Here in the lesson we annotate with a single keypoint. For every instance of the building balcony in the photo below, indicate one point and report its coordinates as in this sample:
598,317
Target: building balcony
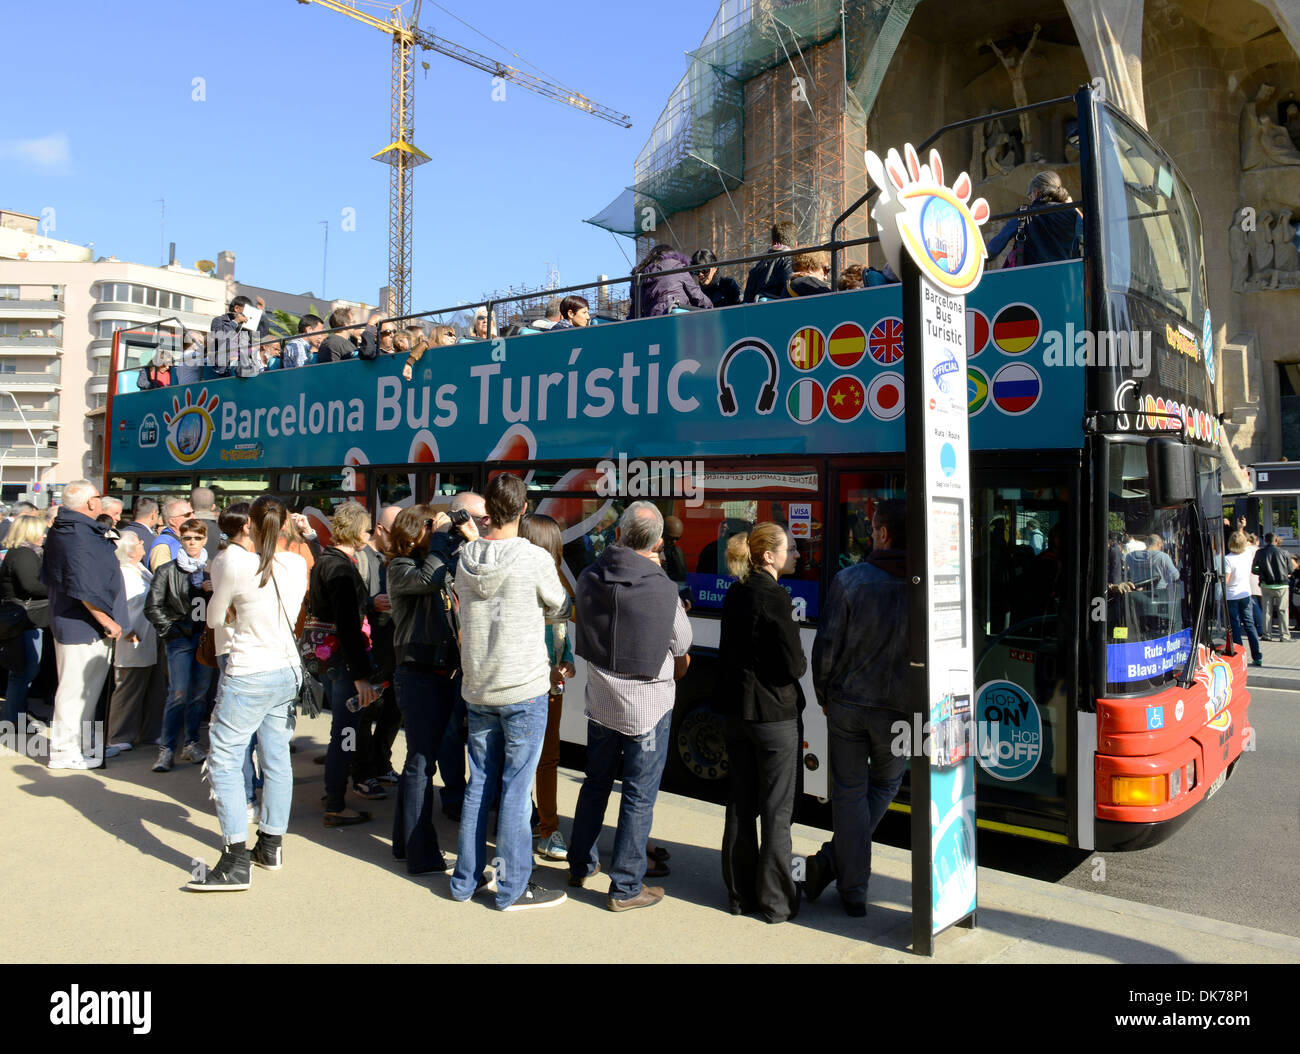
10,343
45,381
46,417
31,309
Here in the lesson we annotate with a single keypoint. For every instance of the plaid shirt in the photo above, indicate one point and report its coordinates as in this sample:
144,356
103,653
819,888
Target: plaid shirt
297,352
634,705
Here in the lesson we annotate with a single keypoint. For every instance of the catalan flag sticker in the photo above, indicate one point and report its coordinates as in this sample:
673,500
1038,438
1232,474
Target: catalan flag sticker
847,345
977,390
1017,388
1016,328
807,347
885,396
805,401
845,398
977,332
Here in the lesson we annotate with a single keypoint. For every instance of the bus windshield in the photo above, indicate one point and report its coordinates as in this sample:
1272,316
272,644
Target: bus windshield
1153,230
1151,604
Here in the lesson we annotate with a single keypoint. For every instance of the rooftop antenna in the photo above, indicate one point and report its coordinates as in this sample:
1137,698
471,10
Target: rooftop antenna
324,256
162,230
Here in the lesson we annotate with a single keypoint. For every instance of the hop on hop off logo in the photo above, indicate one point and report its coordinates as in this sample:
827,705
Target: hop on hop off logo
935,223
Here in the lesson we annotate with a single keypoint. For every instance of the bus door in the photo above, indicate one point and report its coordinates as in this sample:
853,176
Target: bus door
1025,573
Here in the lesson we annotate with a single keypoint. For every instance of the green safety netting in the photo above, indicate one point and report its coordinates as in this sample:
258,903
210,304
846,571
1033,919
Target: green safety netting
696,149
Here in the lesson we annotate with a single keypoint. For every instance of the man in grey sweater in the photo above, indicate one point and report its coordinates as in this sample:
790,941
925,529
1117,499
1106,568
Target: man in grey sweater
507,588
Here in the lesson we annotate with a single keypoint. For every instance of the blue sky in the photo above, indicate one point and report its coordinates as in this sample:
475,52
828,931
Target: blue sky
101,121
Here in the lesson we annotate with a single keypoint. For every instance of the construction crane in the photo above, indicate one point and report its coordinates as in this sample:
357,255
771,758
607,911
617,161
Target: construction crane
401,154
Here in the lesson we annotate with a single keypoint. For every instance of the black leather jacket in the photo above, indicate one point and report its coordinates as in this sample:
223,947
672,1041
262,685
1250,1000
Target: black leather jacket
170,606
422,623
1272,565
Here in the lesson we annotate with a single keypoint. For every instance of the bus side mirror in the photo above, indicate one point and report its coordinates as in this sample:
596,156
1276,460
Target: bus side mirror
1171,468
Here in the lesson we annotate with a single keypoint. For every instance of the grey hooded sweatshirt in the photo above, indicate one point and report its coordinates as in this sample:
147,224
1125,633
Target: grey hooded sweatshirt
507,590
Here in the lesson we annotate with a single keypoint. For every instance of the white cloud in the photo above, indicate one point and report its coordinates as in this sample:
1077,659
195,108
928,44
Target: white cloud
50,152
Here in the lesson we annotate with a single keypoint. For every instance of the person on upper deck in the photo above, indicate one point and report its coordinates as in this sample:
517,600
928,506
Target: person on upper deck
574,311
721,290
1044,238
809,274
660,293
311,334
341,345
768,278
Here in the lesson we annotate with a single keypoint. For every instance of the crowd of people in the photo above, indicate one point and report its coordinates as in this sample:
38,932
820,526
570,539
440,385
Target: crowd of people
245,341
1262,586
456,628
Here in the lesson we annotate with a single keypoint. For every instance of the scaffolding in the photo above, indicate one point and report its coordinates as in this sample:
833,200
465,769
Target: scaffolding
767,124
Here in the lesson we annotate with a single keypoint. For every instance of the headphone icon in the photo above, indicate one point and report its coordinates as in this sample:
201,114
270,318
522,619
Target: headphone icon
767,396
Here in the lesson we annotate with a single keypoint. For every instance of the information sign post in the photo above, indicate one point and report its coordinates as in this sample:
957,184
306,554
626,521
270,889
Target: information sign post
933,241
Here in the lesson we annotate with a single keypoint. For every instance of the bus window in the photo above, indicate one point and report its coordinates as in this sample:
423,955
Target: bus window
1150,564
231,490
394,488
858,494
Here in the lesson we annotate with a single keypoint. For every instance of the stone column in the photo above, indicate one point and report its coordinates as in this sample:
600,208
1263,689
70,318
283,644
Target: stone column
1110,34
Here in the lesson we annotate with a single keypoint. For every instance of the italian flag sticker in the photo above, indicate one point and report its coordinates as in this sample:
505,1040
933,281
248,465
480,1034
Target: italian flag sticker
805,401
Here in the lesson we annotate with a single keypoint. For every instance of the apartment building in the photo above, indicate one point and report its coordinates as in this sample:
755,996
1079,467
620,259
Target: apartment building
59,309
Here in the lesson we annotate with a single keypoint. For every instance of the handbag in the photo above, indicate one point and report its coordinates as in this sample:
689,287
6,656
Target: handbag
207,650
319,646
311,693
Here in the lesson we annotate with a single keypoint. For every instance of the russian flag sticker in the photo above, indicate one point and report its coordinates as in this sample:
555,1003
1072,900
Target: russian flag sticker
805,401
1017,388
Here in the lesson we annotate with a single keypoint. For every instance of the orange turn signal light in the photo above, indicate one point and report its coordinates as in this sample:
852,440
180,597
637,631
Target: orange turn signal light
1139,790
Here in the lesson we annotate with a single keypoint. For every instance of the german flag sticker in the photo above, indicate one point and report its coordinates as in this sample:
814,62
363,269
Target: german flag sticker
1016,329
806,348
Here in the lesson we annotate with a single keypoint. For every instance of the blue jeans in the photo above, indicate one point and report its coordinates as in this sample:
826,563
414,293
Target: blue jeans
865,777
20,681
505,743
339,688
187,691
261,704
426,700
251,779
451,756
643,760
1242,613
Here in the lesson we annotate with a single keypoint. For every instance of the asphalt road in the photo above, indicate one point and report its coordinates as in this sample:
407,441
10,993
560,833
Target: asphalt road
1235,860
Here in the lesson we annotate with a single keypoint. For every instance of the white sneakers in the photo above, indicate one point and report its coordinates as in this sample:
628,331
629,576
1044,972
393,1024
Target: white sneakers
79,764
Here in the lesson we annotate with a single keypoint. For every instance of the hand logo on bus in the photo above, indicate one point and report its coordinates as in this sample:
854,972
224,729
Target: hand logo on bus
937,225
190,426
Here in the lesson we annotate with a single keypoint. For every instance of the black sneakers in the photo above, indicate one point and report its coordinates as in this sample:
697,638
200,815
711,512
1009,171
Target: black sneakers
233,872
535,896
268,853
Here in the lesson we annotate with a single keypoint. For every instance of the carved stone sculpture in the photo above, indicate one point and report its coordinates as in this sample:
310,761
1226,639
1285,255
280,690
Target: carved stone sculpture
1264,143
1286,257
1016,71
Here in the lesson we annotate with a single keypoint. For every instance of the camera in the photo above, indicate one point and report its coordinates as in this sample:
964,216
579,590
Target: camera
459,517
428,526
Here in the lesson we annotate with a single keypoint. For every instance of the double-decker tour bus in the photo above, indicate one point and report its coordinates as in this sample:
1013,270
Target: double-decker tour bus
1110,704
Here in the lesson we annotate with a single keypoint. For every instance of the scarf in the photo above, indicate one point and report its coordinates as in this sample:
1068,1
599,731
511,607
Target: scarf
193,565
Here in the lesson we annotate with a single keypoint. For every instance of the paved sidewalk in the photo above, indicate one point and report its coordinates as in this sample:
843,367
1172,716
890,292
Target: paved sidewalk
1281,667
106,853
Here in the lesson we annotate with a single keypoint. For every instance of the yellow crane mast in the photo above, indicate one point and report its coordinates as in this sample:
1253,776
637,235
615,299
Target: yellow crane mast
401,154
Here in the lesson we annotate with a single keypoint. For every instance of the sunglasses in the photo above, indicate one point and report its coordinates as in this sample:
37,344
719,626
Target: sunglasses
193,538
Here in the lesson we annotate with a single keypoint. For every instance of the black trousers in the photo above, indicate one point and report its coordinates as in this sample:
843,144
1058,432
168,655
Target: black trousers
374,755
764,761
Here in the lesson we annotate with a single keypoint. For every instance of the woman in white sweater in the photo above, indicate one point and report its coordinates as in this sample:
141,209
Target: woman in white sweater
257,695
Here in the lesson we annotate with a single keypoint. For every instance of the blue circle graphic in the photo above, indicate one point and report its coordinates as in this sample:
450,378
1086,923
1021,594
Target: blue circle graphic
948,459
1008,730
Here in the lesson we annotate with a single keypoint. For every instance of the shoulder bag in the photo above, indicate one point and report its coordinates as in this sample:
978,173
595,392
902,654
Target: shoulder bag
311,693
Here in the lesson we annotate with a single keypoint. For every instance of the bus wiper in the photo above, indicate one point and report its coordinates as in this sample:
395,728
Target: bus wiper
1188,675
